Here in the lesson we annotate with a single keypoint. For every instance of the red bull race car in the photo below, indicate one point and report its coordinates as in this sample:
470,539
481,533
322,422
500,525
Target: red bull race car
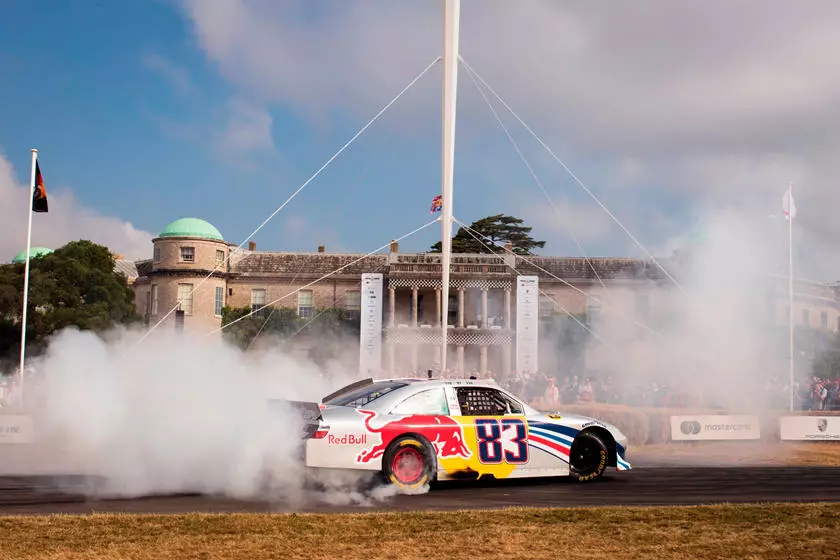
415,431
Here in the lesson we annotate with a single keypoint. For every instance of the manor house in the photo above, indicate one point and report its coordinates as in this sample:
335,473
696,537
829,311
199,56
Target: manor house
482,294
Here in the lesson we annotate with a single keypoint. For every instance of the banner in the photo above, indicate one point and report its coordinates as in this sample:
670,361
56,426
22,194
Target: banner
527,323
714,427
16,428
809,428
370,343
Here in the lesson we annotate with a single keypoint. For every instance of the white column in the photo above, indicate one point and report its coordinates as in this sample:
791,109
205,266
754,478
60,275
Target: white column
414,307
392,358
437,306
507,310
460,360
484,310
461,308
482,364
392,303
506,351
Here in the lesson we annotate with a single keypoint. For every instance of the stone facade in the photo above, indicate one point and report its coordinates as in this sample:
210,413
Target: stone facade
482,326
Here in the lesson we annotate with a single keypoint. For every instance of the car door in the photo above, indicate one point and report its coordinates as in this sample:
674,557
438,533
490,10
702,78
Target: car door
495,426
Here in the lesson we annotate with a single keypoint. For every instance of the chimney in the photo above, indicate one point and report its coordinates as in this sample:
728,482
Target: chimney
508,247
321,248
252,246
395,247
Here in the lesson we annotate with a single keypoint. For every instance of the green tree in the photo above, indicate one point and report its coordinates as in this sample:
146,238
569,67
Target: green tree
493,230
74,286
333,328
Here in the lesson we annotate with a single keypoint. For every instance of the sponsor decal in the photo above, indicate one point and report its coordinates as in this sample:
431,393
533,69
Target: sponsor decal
809,428
714,427
444,433
347,439
16,428
594,423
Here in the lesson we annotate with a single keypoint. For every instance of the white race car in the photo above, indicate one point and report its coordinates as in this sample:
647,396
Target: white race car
418,430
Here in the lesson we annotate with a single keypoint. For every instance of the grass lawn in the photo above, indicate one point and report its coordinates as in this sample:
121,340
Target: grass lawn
810,531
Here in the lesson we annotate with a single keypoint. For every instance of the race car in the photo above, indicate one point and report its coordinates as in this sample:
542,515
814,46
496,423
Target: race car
415,431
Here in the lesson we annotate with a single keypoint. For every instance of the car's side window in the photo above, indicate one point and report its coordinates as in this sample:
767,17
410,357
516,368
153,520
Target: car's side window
432,401
483,401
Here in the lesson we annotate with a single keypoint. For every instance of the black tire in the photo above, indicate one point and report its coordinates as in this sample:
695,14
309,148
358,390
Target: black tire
409,462
588,457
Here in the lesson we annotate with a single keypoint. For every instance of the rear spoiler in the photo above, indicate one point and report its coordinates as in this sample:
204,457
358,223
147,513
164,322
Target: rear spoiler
348,388
310,412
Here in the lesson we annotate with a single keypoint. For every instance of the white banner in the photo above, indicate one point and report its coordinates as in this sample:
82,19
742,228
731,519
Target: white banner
370,337
714,427
805,428
527,323
16,428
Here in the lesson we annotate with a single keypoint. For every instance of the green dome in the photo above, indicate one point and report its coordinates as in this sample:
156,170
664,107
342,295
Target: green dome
34,252
191,227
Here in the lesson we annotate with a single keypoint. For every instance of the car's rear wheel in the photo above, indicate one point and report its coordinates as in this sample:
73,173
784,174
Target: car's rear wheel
588,457
408,462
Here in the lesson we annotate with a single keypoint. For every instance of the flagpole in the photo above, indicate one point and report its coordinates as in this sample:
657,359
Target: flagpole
791,213
26,273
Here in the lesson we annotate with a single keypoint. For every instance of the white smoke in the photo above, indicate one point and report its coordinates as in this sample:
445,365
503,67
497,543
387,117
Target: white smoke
179,413
716,337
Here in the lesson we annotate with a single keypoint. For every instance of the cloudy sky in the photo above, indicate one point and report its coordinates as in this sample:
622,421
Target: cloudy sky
669,112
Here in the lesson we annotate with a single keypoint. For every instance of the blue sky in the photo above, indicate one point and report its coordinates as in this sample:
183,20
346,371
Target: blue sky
147,111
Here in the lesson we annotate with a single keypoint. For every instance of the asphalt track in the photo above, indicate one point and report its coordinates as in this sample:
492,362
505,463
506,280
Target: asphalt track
646,486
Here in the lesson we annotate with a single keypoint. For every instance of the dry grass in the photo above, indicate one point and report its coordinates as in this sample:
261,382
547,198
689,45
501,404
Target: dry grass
741,453
746,531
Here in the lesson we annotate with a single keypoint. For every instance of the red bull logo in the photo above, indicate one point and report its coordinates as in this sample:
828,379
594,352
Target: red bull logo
347,439
445,434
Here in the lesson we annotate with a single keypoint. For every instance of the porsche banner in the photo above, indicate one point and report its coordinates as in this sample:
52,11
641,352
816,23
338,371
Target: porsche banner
810,428
527,323
370,343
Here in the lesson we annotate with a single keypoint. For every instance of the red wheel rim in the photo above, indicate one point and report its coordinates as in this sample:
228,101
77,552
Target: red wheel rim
407,465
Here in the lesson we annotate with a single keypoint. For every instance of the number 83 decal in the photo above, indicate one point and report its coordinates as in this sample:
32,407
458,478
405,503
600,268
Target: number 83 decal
505,440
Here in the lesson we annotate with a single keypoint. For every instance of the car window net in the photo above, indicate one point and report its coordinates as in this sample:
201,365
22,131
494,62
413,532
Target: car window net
365,395
476,402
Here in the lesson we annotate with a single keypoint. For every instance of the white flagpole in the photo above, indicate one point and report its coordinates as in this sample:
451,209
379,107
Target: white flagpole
26,273
451,24
791,213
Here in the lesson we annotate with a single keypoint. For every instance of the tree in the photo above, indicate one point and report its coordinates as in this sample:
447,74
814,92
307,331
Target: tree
493,230
76,286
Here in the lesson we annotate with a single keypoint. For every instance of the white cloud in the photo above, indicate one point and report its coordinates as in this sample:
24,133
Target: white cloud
248,129
174,74
685,103
66,221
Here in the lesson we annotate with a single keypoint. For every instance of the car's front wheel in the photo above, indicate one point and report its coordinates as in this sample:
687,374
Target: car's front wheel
588,457
408,462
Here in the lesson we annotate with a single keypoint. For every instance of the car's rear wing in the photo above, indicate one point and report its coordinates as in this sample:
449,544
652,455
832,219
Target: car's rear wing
310,412
348,388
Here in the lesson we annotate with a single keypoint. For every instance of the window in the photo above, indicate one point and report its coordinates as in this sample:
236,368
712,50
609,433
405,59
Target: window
483,401
188,254
824,320
432,401
353,301
220,301
305,303
593,310
185,298
546,306
154,299
364,395
257,298
156,254
806,317
220,258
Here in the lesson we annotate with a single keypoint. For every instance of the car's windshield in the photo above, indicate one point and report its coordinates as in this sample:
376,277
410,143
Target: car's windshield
365,395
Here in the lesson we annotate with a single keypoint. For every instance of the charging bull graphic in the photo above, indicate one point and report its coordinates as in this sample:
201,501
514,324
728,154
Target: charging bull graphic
445,434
